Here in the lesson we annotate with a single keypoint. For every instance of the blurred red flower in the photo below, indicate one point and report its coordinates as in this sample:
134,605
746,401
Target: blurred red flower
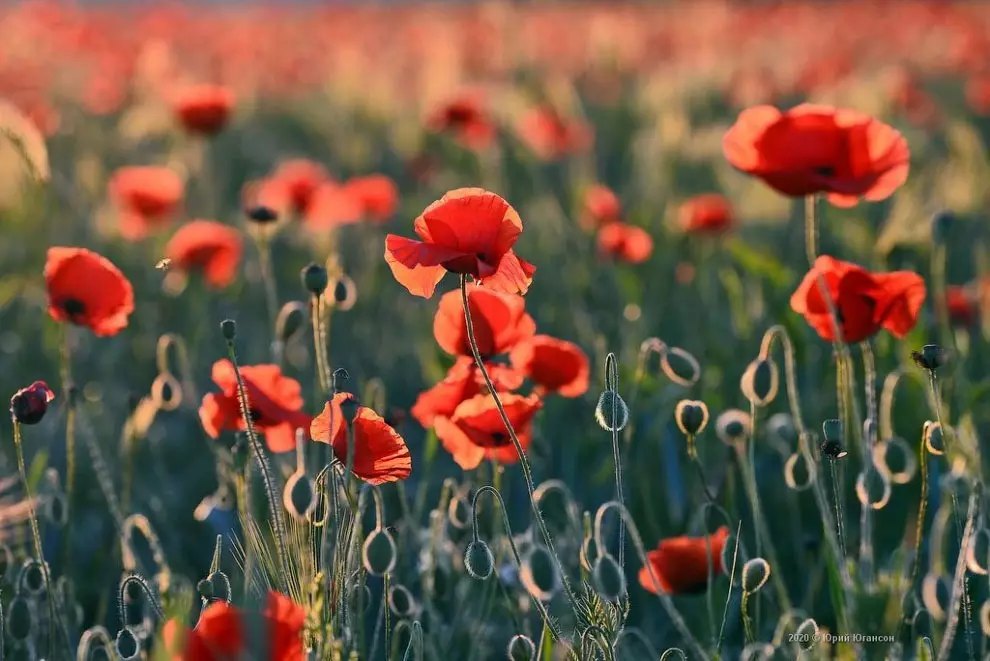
962,305
601,206
819,149
680,564
223,632
550,135
475,431
500,321
86,289
299,178
465,117
463,381
554,365
146,196
29,405
864,302
207,246
710,213
624,242
332,205
274,402
376,195
468,231
380,453
203,109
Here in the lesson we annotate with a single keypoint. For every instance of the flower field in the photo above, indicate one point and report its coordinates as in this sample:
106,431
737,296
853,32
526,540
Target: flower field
495,331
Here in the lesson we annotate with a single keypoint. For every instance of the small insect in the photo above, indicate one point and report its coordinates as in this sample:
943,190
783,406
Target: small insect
164,264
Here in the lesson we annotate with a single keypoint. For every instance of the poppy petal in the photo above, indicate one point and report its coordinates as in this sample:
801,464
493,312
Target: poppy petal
415,265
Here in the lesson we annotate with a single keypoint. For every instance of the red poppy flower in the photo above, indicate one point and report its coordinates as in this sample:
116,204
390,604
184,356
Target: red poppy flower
207,246
300,179
500,321
86,289
223,632
819,149
961,304
380,453
680,564
475,431
468,231
332,205
706,214
376,195
29,405
624,242
554,365
864,302
269,193
465,117
146,196
601,206
551,136
463,381
274,402
204,109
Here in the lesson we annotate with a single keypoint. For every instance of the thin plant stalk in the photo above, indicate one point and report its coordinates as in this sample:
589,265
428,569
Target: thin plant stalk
612,383
70,446
268,279
919,529
319,346
728,597
811,228
960,592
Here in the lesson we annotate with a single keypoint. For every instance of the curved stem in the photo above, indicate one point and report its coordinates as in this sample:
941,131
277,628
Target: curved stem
148,592
612,384
747,621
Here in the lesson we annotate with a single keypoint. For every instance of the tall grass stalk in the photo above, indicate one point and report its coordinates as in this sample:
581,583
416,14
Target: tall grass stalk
960,595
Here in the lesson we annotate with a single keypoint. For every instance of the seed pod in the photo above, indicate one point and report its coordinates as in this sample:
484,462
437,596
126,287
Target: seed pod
379,553
401,601
680,367
539,574
691,416
733,426
315,279
934,438
229,329
521,648
807,634
611,410
127,644
760,381
608,578
755,574
478,560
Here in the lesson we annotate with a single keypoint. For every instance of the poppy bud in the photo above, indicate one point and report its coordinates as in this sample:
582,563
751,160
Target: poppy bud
873,488
229,329
290,320
400,601
32,577
680,366
315,279
833,449
942,223
806,634
691,416
934,438
379,553
299,496
608,578
673,654
261,214
28,405
521,648
19,620
611,410
733,426
930,358
127,644
832,429
755,574
478,560
539,574
205,589
760,381
339,291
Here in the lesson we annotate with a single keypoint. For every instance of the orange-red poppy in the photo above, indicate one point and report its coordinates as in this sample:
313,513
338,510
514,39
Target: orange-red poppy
209,247
203,109
819,149
680,564
332,205
465,117
961,303
86,289
468,231
376,195
299,178
475,431
146,197
554,365
223,632
864,302
710,213
274,403
550,135
625,242
499,320
29,405
601,206
380,453
463,381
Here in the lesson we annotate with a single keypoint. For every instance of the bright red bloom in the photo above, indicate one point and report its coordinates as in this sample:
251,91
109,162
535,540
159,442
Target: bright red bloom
551,136
380,453
29,405
706,214
463,381
203,109
818,149
601,206
86,289
864,302
146,196
500,321
274,402
475,431
468,231
300,178
466,118
624,242
554,365
207,246
962,305
375,194
223,633
680,564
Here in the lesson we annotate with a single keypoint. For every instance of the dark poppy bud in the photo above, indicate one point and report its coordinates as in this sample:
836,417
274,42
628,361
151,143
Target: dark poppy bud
833,449
401,601
315,279
127,644
608,578
261,214
205,589
19,621
299,495
478,560
521,648
28,405
760,381
229,329
832,429
290,320
378,553
339,291
942,223
691,416
930,358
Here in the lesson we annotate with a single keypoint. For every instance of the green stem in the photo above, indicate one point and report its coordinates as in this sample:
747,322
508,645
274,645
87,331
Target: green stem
919,528
70,447
747,621
322,369
268,281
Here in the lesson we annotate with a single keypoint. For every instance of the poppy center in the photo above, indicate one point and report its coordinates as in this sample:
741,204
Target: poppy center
255,414
73,307
499,437
482,257
825,171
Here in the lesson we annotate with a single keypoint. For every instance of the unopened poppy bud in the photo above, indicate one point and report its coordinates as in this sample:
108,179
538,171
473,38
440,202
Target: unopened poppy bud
261,214
942,223
608,578
832,429
339,291
401,601
315,279
755,574
673,654
127,644
19,620
807,634
478,560
611,413
760,381
934,438
691,416
732,426
299,496
930,358
521,648
229,329
290,320
833,449
205,589
539,574
379,553
29,405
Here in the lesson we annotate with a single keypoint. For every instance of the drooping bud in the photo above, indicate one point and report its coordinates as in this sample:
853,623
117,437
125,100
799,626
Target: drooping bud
934,438
612,414
261,214
608,578
29,405
733,426
229,329
478,560
755,574
127,644
521,648
379,553
760,381
539,574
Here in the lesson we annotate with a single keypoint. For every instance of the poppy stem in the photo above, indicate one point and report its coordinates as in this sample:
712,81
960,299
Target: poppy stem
268,281
919,531
728,596
319,346
612,383
70,446
811,228
523,461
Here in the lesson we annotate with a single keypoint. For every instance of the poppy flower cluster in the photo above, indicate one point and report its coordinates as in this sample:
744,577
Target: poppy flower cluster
615,239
